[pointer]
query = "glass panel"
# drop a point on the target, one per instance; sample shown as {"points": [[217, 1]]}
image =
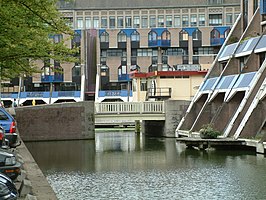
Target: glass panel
{"points": [[201, 20], [144, 22], [104, 22], [193, 20], [120, 22], [152, 21], [160, 21], [88, 22], [128, 22], [185, 21], [177, 21], [79, 23], [111, 22]]}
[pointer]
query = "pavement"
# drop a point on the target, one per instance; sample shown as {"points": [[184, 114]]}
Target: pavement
{"points": [[41, 189]]}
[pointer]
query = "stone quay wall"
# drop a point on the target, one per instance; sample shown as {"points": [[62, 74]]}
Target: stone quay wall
{"points": [[174, 111], [66, 121]]}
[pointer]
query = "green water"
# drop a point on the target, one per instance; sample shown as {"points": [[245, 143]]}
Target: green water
{"points": [[123, 165]]}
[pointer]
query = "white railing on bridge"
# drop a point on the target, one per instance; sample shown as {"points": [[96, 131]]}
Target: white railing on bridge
{"points": [[129, 107]]}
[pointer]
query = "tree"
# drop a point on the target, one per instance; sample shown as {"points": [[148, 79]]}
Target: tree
{"points": [[25, 35]]}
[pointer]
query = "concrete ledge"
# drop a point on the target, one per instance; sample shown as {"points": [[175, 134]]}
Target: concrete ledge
{"points": [[40, 187], [25, 188], [30, 197]]}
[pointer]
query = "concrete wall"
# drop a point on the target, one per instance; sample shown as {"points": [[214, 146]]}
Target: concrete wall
{"points": [[67, 121], [174, 111]]}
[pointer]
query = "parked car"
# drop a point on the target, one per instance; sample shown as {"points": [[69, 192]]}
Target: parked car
{"points": [[9, 125], [9, 164], [8, 190]]}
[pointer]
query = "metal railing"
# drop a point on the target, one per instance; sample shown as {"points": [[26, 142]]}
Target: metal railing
{"points": [[129, 107]]}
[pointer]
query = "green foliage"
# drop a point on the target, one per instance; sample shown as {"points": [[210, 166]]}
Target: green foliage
{"points": [[24, 35], [208, 132]]}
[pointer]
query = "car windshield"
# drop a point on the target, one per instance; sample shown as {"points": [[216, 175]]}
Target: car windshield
{"points": [[3, 116]]}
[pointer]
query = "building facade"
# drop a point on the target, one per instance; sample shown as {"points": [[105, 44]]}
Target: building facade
{"points": [[232, 96], [121, 38]]}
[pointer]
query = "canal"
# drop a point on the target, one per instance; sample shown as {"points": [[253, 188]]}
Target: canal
{"points": [[124, 165]]}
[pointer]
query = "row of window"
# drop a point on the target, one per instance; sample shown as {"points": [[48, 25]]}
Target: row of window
{"points": [[152, 21], [166, 35], [154, 52]]}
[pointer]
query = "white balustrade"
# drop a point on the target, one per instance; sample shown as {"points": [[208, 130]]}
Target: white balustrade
{"points": [[129, 107]]}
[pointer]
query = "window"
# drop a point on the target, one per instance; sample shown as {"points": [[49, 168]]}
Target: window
{"points": [[121, 36], [76, 40], [80, 23], [166, 35], [173, 51], [111, 22], [114, 53], [136, 22], [144, 22], [135, 37], [160, 21], [177, 21], [144, 52], [128, 22], [193, 20], [183, 35], [201, 20], [120, 22], [88, 22], [229, 18], [104, 37], [58, 38], [169, 22], [196, 35], [122, 70], [96, 22], [215, 1], [104, 22], [185, 20], [152, 36], [215, 20], [76, 71], [203, 51], [215, 33], [195, 60], [152, 21], [236, 16], [185, 59]]}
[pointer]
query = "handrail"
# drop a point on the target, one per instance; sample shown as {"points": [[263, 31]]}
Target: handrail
{"points": [[155, 107]]}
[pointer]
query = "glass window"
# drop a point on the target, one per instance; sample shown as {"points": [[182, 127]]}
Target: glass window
{"points": [[128, 22], [104, 22], [104, 37], [196, 35], [160, 21], [202, 20], [58, 38], [183, 35], [193, 20], [152, 36], [185, 20], [111, 22], [169, 22], [88, 22], [166, 35], [236, 16], [177, 21], [136, 22], [80, 23], [96, 22], [215, 20], [144, 22], [135, 36], [122, 70], [121, 37], [229, 18], [120, 22], [152, 21]]}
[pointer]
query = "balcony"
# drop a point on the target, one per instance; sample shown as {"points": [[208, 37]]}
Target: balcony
{"points": [[217, 41], [52, 78], [159, 92]]}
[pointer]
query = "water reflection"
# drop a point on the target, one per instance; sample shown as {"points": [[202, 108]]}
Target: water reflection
{"points": [[124, 165]]}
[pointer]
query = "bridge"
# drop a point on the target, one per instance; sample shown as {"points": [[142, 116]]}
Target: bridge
{"points": [[128, 112]]}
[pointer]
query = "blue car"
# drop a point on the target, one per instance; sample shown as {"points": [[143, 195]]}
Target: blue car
{"points": [[9, 125]]}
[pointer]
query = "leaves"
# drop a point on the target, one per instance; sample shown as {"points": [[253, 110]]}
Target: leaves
{"points": [[24, 35]]}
